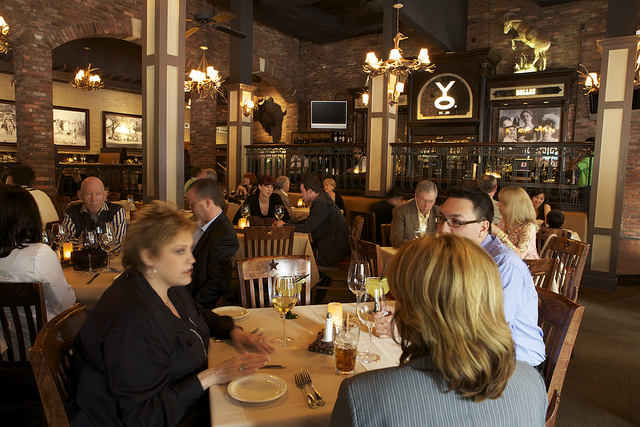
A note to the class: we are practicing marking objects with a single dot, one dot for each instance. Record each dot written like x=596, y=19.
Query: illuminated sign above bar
x=537, y=91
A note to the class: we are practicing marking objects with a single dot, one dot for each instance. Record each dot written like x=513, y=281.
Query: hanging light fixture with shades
x=205, y=80
x=4, y=32
x=397, y=65
x=84, y=79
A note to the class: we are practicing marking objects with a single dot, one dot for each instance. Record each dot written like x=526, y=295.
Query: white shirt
x=38, y=263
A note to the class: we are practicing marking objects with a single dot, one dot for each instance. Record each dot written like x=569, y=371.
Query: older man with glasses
x=417, y=217
x=468, y=212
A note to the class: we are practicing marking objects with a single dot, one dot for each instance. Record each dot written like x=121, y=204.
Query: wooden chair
x=542, y=271
x=560, y=320
x=369, y=227
x=264, y=240
x=572, y=257
x=385, y=231
x=51, y=361
x=543, y=235
x=113, y=197
x=18, y=389
x=357, y=226
x=61, y=203
x=370, y=252
x=255, y=275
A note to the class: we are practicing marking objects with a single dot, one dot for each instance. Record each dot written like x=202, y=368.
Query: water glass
x=346, y=334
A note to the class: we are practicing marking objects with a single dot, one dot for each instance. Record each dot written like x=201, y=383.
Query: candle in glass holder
x=242, y=223
x=335, y=308
x=67, y=248
x=300, y=202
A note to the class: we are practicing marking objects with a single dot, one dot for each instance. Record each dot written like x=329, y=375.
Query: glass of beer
x=345, y=345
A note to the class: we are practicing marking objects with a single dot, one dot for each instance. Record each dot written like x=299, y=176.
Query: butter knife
x=92, y=279
x=273, y=367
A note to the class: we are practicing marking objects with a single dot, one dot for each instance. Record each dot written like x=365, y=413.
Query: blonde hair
x=154, y=227
x=450, y=310
x=329, y=181
x=518, y=209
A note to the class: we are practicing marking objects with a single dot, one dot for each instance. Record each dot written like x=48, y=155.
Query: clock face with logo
x=445, y=96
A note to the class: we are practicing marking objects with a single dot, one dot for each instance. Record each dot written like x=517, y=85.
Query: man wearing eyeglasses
x=468, y=212
x=417, y=217
x=214, y=243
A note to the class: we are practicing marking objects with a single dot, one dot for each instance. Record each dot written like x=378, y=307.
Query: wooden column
x=610, y=159
x=163, y=100
x=240, y=133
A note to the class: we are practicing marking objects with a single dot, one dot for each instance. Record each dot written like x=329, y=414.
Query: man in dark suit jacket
x=215, y=243
x=418, y=213
x=328, y=228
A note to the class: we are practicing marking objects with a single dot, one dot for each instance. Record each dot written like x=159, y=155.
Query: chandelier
x=397, y=65
x=84, y=79
x=4, y=31
x=205, y=79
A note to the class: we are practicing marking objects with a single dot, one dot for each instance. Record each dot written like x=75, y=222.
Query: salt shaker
x=328, y=329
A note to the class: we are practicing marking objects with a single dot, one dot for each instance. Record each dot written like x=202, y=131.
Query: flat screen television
x=328, y=114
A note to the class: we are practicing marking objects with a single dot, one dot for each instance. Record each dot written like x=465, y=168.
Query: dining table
x=290, y=409
x=387, y=253
x=90, y=287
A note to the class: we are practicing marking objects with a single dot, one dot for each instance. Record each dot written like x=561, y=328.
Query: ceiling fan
x=204, y=20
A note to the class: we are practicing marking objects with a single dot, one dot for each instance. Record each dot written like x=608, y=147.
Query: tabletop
x=291, y=408
x=89, y=293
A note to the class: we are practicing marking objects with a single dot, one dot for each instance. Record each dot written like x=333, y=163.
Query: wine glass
x=245, y=210
x=284, y=296
x=371, y=307
x=45, y=238
x=357, y=274
x=59, y=236
x=279, y=211
x=107, y=241
x=420, y=231
x=89, y=241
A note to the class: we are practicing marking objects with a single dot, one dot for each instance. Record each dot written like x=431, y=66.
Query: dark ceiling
x=323, y=21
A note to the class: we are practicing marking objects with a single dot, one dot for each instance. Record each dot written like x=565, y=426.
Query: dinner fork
x=304, y=372
x=300, y=383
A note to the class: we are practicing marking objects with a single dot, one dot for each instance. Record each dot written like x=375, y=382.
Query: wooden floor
x=629, y=258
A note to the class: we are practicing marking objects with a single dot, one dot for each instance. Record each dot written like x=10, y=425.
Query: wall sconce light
x=4, y=31
x=247, y=107
x=591, y=81
x=394, y=94
x=365, y=98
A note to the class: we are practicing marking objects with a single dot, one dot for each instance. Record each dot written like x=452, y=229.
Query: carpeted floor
x=603, y=379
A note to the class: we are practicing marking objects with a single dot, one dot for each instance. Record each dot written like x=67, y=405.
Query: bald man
x=94, y=210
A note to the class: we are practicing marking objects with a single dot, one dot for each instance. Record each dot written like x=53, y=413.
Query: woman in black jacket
x=142, y=350
x=263, y=203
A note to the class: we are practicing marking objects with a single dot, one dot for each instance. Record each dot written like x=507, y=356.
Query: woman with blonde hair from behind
x=458, y=361
x=520, y=225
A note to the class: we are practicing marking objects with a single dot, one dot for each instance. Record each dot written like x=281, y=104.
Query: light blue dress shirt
x=520, y=301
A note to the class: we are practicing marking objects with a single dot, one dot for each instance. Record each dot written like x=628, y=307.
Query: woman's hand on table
x=232, y=369
x=243, y=342
x=278, y=223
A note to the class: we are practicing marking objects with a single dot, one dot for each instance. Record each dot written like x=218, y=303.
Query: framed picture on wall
x=121, y=130
x=531, y=124
x=71, y=127
x=8, y=122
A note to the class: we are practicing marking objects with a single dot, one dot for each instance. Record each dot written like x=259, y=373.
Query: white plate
x=231, y=311
x=257, y=388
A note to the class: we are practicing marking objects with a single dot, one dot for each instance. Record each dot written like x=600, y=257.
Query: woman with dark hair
x=143, y=349
x=538, y=197
x=458, y=361
x=23, y=256
x=248, y=187
x=263, y=203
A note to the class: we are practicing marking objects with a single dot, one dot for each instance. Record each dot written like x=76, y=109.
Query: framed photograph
x=71, y=127
x=8, y=122
x=532, y=124
x=121, y=130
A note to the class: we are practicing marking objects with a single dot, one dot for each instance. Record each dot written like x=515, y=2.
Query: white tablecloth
x=291, y=408
x=89, y=294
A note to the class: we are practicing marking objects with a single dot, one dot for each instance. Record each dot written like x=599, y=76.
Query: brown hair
x=153, y=228
x=450, y=309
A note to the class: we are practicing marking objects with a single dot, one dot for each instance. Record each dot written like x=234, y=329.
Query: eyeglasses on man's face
x=455, y=223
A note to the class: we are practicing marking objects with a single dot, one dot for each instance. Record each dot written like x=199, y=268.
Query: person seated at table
x=215, y=243
x=23, y=256
x=383, y=209
x=94, y=210
x=263, y=203
x=24, y=176
x=282, y=187
x=249, y=185
x=555, y=219
x=540, y=208
x=417, y=215
x=519, y=221
x=194, y=174
x=329, y=187
x=458, y=361
x=141, y=354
